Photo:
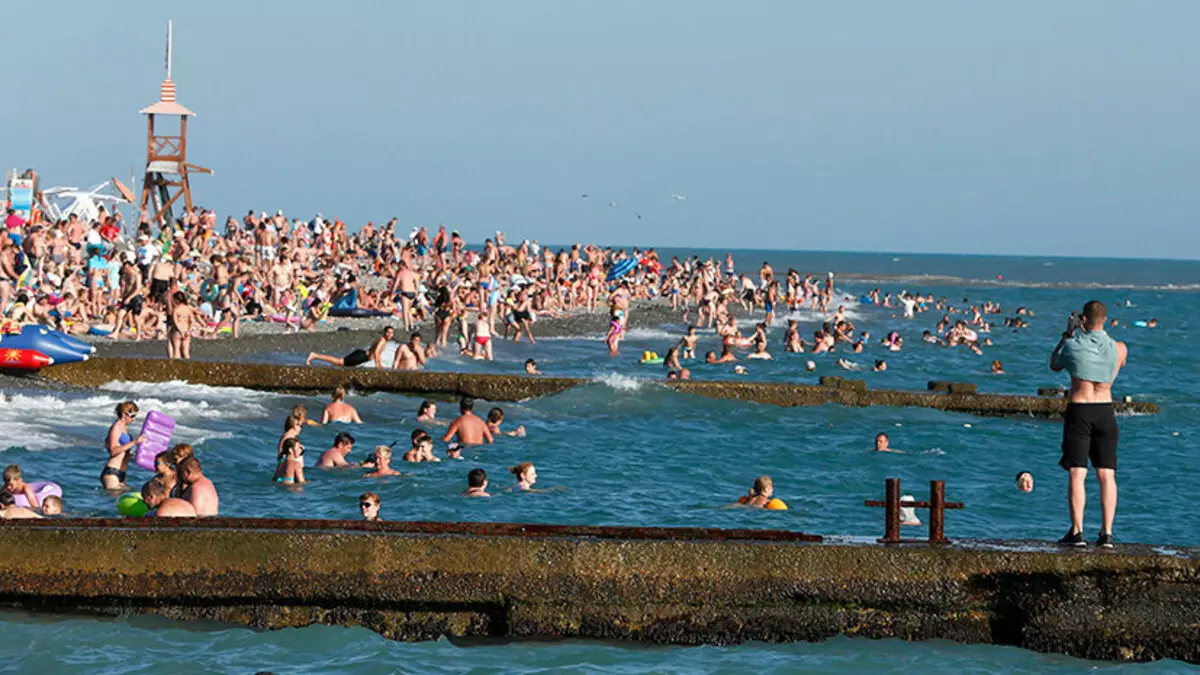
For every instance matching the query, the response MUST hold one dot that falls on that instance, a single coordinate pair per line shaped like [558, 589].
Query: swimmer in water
[290, 465]
[14, 484]
[495, 418]
[10, 511]
[1025, 481]
[119, 445]
[343, 445]
[477, 482]
[526, 475]
[997, 368]
[52, 505]
[292, 427]
[880, 365]
[760, 350]
[881, 444]
[415, 453]
[531, 367]
[760, 494]
[469, 429]
[383, 461]
[338, 410]
[687, 344]
[163, 505]
[369, 505]
[164, 472]
[454, 451]
[427, 413]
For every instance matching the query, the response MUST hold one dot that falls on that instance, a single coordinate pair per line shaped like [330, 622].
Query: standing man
[1090, 431]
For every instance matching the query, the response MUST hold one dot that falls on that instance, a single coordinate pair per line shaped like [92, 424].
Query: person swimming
[338, 410]
[369, 505]
[1024, 481]
[477, 482]
[526, 475]
[759, 494]
[290, 467]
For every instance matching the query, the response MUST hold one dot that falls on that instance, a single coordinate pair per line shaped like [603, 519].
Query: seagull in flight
[639, 216]
[612, 203]
[583, 196]
[679, 198]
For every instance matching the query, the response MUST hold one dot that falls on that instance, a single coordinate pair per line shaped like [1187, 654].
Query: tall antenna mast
[169, 49]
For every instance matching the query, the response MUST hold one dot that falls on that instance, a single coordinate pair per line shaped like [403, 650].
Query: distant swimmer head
[810, 366]
[1025, 481]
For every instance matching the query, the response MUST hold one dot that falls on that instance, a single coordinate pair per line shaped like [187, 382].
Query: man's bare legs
[1108, 497]
[332, 360]
[1077, 497]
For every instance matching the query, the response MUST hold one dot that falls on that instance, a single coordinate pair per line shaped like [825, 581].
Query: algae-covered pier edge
[418, 581]
[99, 371]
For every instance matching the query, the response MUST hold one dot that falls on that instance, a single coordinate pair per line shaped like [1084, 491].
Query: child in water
[290, 466]
[14, 484]
[760, 494]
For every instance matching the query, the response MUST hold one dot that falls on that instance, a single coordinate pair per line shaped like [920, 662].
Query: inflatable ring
[41, 491]
[210, 291]
[131, 505]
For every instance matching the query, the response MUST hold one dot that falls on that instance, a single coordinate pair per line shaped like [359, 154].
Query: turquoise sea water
[625, 451]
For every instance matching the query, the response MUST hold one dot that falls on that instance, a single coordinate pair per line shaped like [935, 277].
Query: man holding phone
[1090, 431]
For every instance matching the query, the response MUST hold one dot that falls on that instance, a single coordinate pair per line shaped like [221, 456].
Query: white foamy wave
[934, 451]
[189, 391]
[620, 382]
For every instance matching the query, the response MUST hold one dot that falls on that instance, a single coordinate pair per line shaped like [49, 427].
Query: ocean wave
[621, 382]
[918, 280]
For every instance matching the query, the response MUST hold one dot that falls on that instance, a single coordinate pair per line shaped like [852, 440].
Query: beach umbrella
[621, 268]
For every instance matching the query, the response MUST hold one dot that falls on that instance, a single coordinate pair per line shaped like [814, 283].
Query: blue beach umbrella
[621, 268]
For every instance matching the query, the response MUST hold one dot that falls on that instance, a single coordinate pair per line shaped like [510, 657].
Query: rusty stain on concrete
[854, 393]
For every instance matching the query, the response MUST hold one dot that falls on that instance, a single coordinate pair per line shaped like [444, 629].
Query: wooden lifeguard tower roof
[166, 104]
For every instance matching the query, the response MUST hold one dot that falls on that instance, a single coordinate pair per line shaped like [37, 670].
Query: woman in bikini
[119, 444]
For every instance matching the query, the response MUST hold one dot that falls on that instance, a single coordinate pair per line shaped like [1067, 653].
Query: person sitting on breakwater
[469, 429]
[495, 418]
[119, 443]
[383, 463]
[1025, 481]
[881, 444]
[290, 465]
[343, 445]
[198, 490]
[162, 505]
[526, 474]
[477, 483]
[368, 505]
[760, 494]
[14, 484]
[52, 505]
[338, 410]
[10, 511]
[358, 356]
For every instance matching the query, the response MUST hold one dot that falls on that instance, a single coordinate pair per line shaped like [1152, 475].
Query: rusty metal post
[937, 511]
[891, 533]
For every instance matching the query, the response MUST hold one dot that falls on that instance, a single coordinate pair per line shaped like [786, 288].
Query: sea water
[624, 450]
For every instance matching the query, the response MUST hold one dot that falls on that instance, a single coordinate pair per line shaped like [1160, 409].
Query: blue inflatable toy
[620, 269]
[347, 306]
[70, 341]
[45, 341]
[866, 300]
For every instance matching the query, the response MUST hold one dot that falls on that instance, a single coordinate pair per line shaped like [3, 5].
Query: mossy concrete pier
[416, 581]
[848, 392]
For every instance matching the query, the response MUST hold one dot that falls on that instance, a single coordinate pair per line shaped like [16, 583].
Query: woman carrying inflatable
[119, 443]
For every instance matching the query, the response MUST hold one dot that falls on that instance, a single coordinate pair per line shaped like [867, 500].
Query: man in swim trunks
[1090, 430]
[468, 427]
[358, 356]
[198, 490]
[343, 445]
[406, 282]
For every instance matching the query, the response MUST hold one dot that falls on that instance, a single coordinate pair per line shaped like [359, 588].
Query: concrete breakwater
[416, 581]
[955, 398]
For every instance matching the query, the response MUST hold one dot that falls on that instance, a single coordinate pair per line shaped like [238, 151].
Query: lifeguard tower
[167, 168]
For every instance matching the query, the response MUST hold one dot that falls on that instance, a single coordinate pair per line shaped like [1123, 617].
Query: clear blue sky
[1019, 127]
